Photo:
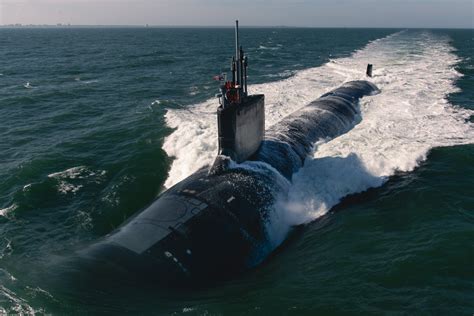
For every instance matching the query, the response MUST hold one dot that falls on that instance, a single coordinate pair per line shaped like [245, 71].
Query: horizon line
[67, 25]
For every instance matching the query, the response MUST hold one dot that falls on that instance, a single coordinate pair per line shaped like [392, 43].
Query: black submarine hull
[214, 223]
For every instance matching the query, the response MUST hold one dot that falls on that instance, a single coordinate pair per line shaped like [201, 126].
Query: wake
[414, 70]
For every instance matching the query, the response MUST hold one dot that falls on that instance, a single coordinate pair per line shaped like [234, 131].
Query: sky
[306, 13]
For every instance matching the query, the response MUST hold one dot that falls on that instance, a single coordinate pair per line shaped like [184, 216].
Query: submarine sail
[240, 117]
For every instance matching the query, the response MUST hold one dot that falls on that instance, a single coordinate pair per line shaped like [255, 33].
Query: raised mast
[237, 52]
[241, 65]
[235, 91]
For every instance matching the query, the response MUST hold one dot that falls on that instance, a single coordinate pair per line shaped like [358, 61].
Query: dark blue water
[81, 150]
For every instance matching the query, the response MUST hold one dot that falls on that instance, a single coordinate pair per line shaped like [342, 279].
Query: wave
[67, 179]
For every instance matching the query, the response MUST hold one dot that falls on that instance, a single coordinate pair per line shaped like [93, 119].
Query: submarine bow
[213, 224]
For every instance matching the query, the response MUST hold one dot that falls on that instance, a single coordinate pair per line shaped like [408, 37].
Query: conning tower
[240, 117]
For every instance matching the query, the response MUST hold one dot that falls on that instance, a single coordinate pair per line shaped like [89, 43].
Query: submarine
[215, 223]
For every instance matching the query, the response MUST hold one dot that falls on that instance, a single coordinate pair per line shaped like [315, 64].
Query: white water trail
[414, 70]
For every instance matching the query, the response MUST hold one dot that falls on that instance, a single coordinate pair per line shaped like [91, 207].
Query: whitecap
[193, 90]
[90, 81]
[4, 211]
[65, 187]
[72, 180]
[71, 173]
[262, 47]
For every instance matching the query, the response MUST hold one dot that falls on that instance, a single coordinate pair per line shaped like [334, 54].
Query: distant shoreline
[71, 26]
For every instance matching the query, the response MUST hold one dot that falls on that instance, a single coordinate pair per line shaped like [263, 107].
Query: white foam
[193, 90]
[6, 249]
[79, 172]
[70, 173]
[261, 47]
[414, 70]
[74, 174]
[90, 81]
[65, 187]
[4, 211]
[285, 73]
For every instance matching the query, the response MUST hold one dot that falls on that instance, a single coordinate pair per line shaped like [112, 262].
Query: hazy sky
[318, 13]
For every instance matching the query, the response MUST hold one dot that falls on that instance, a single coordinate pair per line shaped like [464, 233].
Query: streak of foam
[414, 70]
[17, 305]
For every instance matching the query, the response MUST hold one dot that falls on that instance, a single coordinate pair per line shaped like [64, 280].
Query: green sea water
[88, 118]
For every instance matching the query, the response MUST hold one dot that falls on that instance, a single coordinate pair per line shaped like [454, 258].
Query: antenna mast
[237, 53]
[235, 91]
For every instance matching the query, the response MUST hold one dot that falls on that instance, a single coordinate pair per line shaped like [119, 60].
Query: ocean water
[95, 122]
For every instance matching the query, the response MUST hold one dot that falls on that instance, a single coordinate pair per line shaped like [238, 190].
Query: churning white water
[414, 70]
